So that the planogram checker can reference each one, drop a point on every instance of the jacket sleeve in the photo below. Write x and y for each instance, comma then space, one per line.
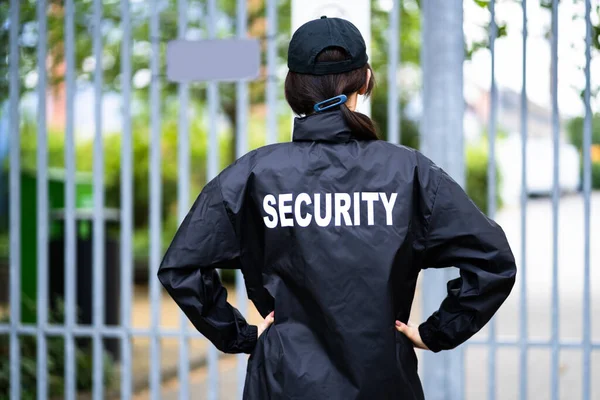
460, 235
204, 242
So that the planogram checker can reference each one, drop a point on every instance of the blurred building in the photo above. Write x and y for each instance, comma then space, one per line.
540, 144
478, 108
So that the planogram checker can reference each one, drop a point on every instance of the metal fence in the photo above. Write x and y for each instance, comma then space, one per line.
524, 343
450, 372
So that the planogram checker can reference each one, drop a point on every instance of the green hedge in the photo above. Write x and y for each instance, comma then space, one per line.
595, 175
575, 131
141, 163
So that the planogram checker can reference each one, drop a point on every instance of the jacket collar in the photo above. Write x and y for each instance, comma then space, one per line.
329, 126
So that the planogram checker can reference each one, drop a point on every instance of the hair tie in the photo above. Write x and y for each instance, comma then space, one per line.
337, 101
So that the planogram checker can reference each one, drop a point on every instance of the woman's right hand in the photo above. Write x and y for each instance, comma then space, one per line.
266, 323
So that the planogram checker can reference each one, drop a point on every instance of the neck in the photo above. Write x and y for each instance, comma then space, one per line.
352, 101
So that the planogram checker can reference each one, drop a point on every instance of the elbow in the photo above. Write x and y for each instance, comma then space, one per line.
506, 277
164, 276
509, 280
510, 271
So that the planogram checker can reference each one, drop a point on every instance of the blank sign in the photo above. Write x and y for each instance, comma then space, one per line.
213, 60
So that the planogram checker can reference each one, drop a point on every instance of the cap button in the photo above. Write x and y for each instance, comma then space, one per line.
323, 16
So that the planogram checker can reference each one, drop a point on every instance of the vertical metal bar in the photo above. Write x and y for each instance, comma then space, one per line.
393, 48
98, 229
271, 71
183, 191
587, 189
555, 200
523, 305
126, 253
155, 201
242, 148
70, 226
42, 205
241, 87
442, 127
15, 204
212, 169
455, 368
492, 187
491, 193
213, 101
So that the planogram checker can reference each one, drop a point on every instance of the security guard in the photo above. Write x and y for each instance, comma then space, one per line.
331, 232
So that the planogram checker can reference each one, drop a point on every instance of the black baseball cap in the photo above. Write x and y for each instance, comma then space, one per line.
315, 36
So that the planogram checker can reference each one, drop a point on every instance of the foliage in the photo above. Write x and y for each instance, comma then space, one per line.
575, 131
409, 129
55, 358
410, 40
477, 182
141, 154
142, 47
596, 175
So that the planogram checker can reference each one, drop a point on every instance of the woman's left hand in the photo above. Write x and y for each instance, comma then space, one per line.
412, 332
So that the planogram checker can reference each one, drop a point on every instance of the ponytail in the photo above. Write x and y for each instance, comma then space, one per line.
361, 126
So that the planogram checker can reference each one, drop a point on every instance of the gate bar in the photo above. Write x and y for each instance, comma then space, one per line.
15, 204
155, 201
564, 344
183, 195
241, 149
393, 62
587, 189
491, 211
70, 269
42, 205
272, 71
98, 229
555, 376
523, 304
117, 332
212, 170
213, 102
126, 253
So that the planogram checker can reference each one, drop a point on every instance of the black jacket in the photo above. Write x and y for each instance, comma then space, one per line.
331, 233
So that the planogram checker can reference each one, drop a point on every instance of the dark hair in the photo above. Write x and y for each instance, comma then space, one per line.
303, 91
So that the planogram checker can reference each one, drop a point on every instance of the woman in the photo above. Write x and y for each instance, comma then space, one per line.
331, 232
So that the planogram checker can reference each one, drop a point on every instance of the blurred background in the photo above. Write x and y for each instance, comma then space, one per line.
102, 153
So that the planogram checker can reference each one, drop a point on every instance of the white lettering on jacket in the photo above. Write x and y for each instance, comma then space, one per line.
343, 209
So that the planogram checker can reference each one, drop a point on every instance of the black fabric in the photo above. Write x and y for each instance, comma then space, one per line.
338, 274
315, 36
329, 126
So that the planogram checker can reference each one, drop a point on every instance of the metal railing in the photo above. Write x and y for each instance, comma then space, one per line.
126, 332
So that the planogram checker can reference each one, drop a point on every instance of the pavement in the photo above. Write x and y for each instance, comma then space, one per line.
537, 273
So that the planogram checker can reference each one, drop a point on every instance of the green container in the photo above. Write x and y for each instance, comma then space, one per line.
29, 223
